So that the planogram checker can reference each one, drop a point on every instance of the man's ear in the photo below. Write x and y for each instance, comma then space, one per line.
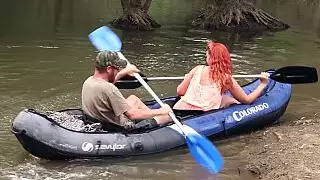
108, 68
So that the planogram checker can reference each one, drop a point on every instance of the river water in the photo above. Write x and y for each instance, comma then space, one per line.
45, 55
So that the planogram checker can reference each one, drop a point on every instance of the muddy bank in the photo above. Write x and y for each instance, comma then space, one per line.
289, 150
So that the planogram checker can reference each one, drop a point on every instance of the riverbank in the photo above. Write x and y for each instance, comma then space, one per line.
288, 151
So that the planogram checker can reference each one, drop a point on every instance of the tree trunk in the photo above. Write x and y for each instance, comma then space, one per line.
237, 16
135, 16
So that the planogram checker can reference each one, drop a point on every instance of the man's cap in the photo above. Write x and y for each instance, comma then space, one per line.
109, 58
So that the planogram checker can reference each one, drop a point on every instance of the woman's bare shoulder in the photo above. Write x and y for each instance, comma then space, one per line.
195, 68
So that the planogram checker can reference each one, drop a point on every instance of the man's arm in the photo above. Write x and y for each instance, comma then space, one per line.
139, 114
129, 70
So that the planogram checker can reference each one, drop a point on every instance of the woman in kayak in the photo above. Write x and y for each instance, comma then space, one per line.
204, 86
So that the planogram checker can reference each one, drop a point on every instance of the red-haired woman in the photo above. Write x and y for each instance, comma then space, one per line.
204, 86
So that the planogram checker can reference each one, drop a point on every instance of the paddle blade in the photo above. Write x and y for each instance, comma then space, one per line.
104, 38
295, 75
130, 82
204, 153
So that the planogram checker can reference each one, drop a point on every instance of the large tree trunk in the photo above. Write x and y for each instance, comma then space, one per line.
237, 16
135, 16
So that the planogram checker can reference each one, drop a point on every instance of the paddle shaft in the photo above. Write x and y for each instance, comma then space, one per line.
182, 77
146, 86
288, 74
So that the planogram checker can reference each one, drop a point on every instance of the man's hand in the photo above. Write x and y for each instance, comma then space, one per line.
130, 69
166, 109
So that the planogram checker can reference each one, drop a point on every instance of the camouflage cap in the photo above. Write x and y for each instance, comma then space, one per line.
109, 58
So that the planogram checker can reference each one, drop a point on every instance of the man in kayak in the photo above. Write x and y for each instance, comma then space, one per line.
103, 102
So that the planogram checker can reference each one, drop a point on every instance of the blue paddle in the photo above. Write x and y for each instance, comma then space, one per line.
202, 150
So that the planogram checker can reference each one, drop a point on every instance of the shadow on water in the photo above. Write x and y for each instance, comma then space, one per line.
173, 164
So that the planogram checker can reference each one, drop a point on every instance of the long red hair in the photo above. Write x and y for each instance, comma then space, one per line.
220, 65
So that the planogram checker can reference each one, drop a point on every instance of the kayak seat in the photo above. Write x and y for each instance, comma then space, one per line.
108, 127
183, 114
141, 126
180, 114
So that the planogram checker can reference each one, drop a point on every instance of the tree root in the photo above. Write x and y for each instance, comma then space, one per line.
135, 20
241, 16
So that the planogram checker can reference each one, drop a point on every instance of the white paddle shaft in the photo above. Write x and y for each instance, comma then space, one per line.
146, 86
182, 77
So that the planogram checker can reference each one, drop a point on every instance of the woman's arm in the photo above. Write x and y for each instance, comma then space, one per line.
183, 86
241, 96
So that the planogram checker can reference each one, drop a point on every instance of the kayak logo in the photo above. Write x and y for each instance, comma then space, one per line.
239, 115
88, 147
109, 146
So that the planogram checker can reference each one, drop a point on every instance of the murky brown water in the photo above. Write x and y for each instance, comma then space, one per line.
45, 55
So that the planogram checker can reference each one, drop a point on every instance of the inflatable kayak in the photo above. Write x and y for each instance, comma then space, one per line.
43, 136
